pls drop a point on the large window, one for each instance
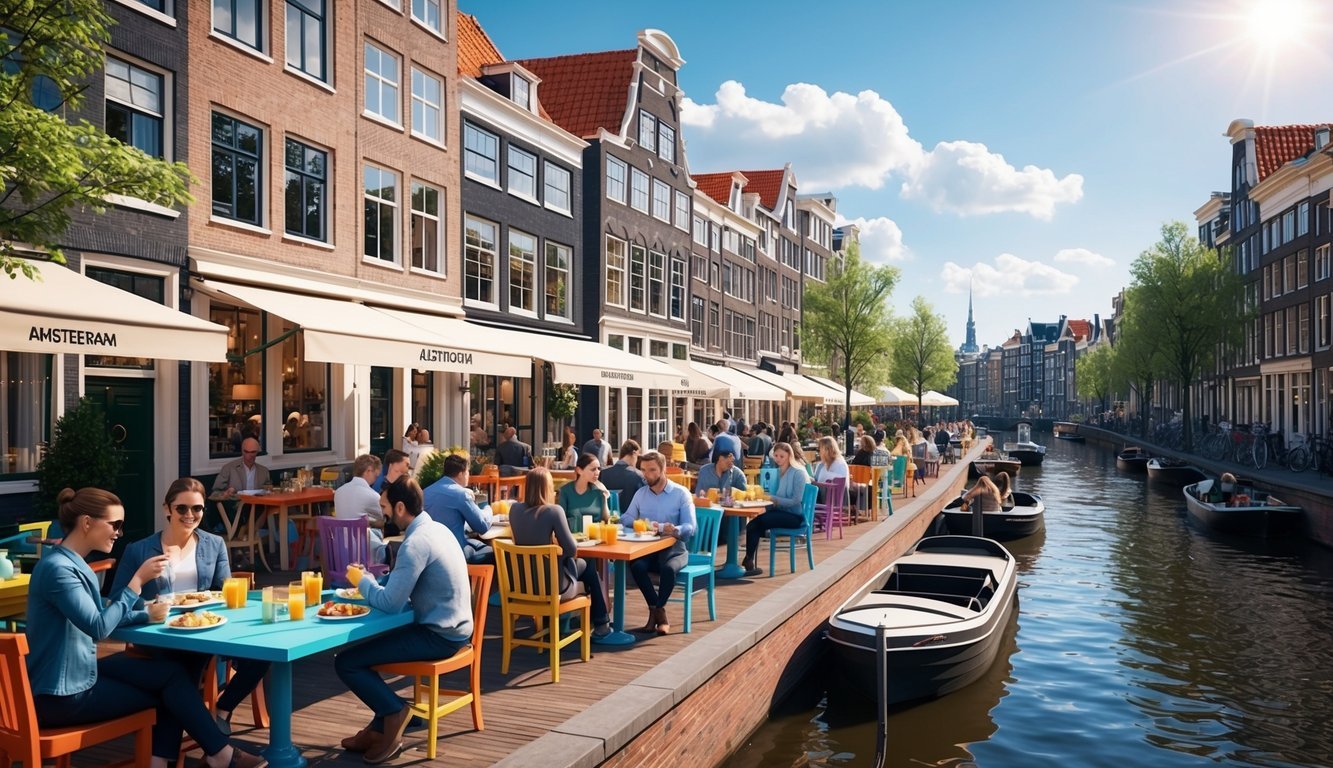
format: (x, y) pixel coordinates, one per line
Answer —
(556, 280)
(1321, 262)
(615, 271)
(381, 209)
(522, 173)
(135, 106)
(237, 171)
(557, 187)
(427, 226)
(428, 13)
(661, 200)
(657, 284)
(306, 36)
(677, 289)
(307, 176)
(481, 154)
(522, 272)
(304, 402)
(427, 106)
(25, 410)
(638, 196)
(647, 131)
(479, 260)
(615, 179)
(1323, 329)
(236, 387)
(638, 268)
(241, 20)
(697, 321)
(682, 210)
(666, 142)
(381, 83)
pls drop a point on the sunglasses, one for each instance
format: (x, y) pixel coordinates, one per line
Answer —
(116, 525)
(181, 509)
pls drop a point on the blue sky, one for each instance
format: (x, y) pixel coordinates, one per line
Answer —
(1034, 148)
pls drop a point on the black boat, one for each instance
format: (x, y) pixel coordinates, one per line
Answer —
(945, 603)
(1133, 459)
(992, 466)
(1024, 518)
(1173, 471)
(1242, 510)
(1071, 437)
(1023, 450)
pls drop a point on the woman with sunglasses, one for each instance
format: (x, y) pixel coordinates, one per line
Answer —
(196, 561)
(66, 618)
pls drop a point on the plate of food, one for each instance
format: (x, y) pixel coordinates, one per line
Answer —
(332, 611)
(189, 601)
(349, 593)
(646, 536)
(196, 620)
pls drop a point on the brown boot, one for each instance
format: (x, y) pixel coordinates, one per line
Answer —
(362, 741)
(663, 626)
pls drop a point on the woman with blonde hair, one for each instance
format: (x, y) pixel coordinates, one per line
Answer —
(786, 510)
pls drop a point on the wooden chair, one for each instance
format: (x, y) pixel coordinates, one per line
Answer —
(241, 534)
(341, 543)
(833, 510)
(865, 493)
(702, 563)
(23, 741)
(753, 462)
(530, 586)
(806, 531)
(425, 675)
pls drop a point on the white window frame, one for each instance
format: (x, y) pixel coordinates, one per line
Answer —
(552, 190)
(614, 165)
(514, 88)
(426, 5)
(424, 216)
(367, 198)
(657, 263)
(622, 268)
(666, 142)
(382, 84)
(557, 249)
(427, 107)
(682, 214)
(481, 225)
(469, 151)
(165, 103)
(638, 255)
(700, 231)
(648, 131)
(661, 204)
(1323, 262)
(511, 173)
(676, 287)
(514, 258)
(638, 186)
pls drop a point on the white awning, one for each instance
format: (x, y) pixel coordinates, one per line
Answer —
(741, 386)
(933, 398)
(703, 385)
(66, 312)
(798, 386)
(840, 395)
(891, 395)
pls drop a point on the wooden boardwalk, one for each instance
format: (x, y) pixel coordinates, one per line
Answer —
(518, 707)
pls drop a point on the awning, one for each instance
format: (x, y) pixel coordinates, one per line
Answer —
(741, 386)
(858, 400)
(703, 385)
(66, 312)
(353, 334)
(933, 398)
(798, 386)
(891, 395)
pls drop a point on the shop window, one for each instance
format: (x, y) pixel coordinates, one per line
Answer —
(26, 411)
(305, 387)
(236, 387)
(423, 400)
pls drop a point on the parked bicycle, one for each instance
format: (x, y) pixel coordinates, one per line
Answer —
(1295, 457)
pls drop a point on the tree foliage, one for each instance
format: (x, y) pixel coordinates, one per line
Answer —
(81, 455)
(1094, 374)
(51, 167)
(847, 321)
(922, 358)
(1137, 363)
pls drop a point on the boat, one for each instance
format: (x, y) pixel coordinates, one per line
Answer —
(1026, 452)
(992, 466)
(1071, 437)
(1244, 510)
(945, 603)
(1132, 459)
(1173, 471)
(1024, 518)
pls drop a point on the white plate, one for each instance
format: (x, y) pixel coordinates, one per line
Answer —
(196, 606)
(351, 595)
(340, 618)
(196, 629)
(255, 492)
(588, 543)
(639, 537)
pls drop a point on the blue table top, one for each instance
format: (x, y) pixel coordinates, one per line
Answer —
(245, 636)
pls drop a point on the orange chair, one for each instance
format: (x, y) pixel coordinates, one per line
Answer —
(865, 493)
(426, 674)
(530, 586)
(23, 741)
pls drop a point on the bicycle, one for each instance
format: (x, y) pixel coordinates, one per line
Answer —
(1247, 449)
(1321, 454)
(1295, 457)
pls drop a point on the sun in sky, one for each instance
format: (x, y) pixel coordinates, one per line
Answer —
(1273, 26)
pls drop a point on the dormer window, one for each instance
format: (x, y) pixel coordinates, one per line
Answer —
(521, 92)
(734, 201)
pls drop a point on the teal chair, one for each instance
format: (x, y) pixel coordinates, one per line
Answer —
(898, 480)
(792, 534)
(613, 503)
(703, 553)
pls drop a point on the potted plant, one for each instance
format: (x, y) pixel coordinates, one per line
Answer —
(81, 454)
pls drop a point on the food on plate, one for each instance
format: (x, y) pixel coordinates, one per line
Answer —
(343, 609)
(350, 593)
(196, 620)
(193, 598)
(580, 537)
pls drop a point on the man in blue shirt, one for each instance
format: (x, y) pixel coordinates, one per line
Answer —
(449, 503)
(725, 441)
(670, 506)
(721, 474)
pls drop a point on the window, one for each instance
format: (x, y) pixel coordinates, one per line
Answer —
(381, 83)
(1268, 335)
(1302, 268)
(235, 405)
(700, 232)
(1303, 219)
(658, 348)
(1292, 330)
(238, 177)
(615, 179)
(682, 211)
(657, 284)
(647, 131)
(714, 325)
(521, 92)
(638, 190)
(306, 36)
(479, 260)
(426, 227)
(134, 106)
(666, 142)
(1288, 226)
(381, 208)
(557, 187)
(481, 153)
(556, 279)
(428, 13)
(522, 272)
(304, 404)
(26, 410)
(307, 179)
(661, 201)
(241, 20)
(677, 289)
(700, 267)
(1322, 262)
(697, 321)
(1288, 274)
(615, 272)
(427, 106)
(1323, 329)
(522, 173)
(637, 267)
(1303, 315)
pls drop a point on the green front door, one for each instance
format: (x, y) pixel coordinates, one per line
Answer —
(382, 429)
(128, 404)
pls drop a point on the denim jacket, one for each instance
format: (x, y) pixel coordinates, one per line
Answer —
(210, 561)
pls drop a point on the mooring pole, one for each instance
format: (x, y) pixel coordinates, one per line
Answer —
(978, 522)
(882, 695)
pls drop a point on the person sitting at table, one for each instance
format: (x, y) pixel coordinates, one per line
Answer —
(478, 436)
(356, 499)
(569, 454)
(421, 451)
(431, 575)
(624, 477)
(785, 511)
(831, 465)
(787, 434)
(722, 474)
(243, 474)
(671, 508)
(725, 440)
(585, 495)
(197, 561)
(598, 447)
(697, 447)
(761, 442)
(66, 618)
(537, 521)
(865, 452)
(449, 502)
(512, 454)
(396, 464)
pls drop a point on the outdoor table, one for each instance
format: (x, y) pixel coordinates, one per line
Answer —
(14, 596)
(740, 509)
(281, 503)
(245, 636)
(620, 554)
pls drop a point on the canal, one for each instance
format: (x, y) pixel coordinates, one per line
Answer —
(1140, 640)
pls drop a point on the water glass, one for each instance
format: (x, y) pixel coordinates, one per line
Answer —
(269, 607)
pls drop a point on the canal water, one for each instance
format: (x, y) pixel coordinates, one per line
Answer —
(1141, 640)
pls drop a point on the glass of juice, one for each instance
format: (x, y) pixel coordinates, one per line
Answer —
(239, 589)
(314, 587)
(640, 525)
(354, 575)
(611, 534)
(296, 600)
(712, 495)
(594, 531)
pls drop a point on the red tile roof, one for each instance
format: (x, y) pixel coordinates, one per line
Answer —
(585, 91)
(715, 185)
(1080, 329)
(1277, 145)
(475, 47)
(768, 184)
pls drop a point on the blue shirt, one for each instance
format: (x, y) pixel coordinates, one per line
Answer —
(451, 505)
(791, 489)
(725, 441)
(431, 572)
(210, 562)
(673, 505)
(708, 478)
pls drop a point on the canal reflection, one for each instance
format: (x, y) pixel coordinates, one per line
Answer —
(1140, 640)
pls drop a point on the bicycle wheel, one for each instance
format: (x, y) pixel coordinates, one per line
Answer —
(1215, 447)
(1242, 454)
(1260, 454)
(1298, 459)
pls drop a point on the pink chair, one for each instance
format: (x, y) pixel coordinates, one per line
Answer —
(343, 542)
(833, 510)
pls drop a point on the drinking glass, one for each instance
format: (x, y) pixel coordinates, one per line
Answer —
(269, 607)
(314, 587)
(296, 600)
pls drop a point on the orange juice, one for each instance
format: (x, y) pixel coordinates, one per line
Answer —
(314, 587)
(611, 534)
(594, 531)
(296, 601)
(712, 495)
(354, 575)
(640, 525)
(236, 597)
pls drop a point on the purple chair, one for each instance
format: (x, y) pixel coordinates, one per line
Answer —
(832, 510)
(343, 542)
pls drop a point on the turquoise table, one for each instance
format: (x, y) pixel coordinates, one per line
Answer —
(734, 514)
(245, 636)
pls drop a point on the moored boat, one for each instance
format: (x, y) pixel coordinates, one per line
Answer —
(1071, 437)
(1132, 459)
(1024, 518)
(1243, 510)
(945, 604)
(1167, 471)
(1023, 450)
(993, 466)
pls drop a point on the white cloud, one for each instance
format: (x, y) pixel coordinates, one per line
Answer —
(1008, 276)
(842, 140)
(881, 238)
(1084, 256)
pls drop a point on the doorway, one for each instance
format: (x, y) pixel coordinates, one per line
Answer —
(381, 410)
(128, 405)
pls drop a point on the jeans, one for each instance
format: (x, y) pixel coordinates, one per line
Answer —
(769, 520)
(249, 675)
(126, 685)
(667, 563)
(411, 643)
(592, 585)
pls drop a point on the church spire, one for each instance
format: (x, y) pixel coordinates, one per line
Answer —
(970, 345)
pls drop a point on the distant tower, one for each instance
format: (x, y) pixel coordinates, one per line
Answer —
(970, 346)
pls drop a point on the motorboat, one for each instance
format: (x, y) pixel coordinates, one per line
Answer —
(1242, 510)
(1166, 470)
(1132, 459)
(1072, 437)
(992, 466)
(1023, 450)
(1025, 517)
(945, 604)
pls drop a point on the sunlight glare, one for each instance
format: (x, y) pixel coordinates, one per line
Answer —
(1275, 24)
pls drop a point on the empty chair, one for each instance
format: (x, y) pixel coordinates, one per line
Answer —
(792, 534)
(530, 586)
(864, 495)
(833, 510)
(343, 542)
(702, 565)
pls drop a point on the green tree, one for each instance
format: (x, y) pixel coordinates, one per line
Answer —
(1193, 299)
(846, 321)
(1093, 374)
(51, 167)
(1137, 360)
(922, 358)
(82, 454)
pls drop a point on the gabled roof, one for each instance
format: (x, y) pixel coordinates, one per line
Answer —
(1277, 145)
(768, 184)
(1080, 329)
(585, 91)
(1044, 332)
(475, 47)
(715, 185)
